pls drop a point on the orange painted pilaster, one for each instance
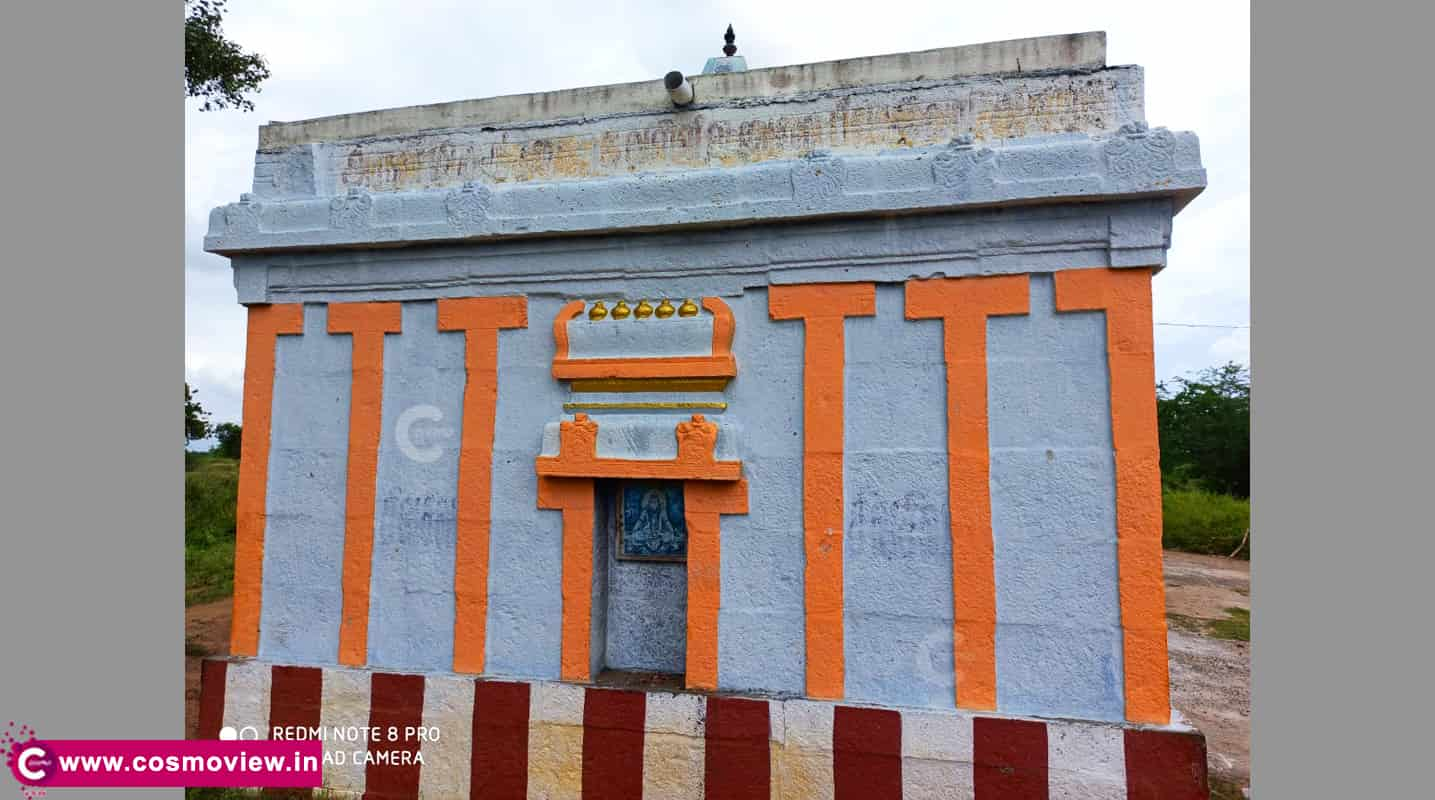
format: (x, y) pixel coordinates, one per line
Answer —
(823, 308)
(963, 305)
(574, 497)
(703, 502)
(480, 318)
(1125, 296)
(266, 324)
(367, 323)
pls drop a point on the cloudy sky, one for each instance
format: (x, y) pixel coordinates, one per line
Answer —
(328, 57)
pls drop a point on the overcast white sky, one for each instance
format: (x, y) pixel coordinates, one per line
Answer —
(329, 57)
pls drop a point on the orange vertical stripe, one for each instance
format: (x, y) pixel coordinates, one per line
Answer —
(704, 595)
(1125, 296)
(703, 502)
(574, 497)
(480, 318)
(266, 324)
(963, 305)
(823, 307)
(367, 323)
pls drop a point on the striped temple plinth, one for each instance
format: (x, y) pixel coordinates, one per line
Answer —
(498, 740)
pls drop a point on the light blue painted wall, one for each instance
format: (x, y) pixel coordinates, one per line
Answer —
(760, 622)
(304, 534)
(525, 605)
(897, 540)
(411, 594)
(1053, 511)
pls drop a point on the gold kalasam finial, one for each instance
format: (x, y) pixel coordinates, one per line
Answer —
(665, 309)
(688, 308)
(621, 311)
(644, 310)
(597, 311)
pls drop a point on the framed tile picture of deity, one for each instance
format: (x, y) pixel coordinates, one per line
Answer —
(650, 521)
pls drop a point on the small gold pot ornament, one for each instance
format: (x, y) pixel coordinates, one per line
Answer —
(597, 312)
(688, 308)
(665, 309)
(621, 311)
(644, 310)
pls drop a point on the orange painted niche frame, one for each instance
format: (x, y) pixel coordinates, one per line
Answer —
(710, 488)
(721, 364)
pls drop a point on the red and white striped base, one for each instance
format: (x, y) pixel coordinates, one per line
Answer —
(502, 739)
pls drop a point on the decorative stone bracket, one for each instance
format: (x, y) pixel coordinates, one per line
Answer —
(578, 455)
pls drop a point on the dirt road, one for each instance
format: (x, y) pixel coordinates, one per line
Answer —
(1211, 677)
(206, 633)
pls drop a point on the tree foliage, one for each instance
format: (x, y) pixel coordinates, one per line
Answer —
(216, 68)
(228, 434)
(1205, 429)
(196, 419)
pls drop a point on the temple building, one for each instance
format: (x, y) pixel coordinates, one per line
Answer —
(780, 433)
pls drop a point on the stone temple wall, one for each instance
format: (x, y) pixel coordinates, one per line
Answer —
(874, 335)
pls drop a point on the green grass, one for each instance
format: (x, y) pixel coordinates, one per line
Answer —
(1198, 521)
(1236, 625)
(208, 572)
(1225, 789)
(211, 489)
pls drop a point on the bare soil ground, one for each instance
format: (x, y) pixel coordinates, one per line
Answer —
(1210, 678)
(206, 633)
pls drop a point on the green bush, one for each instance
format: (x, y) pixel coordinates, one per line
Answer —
(208, 572)
(229, 436)
(1205, 429)
(1198, 521)
(211, 490)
